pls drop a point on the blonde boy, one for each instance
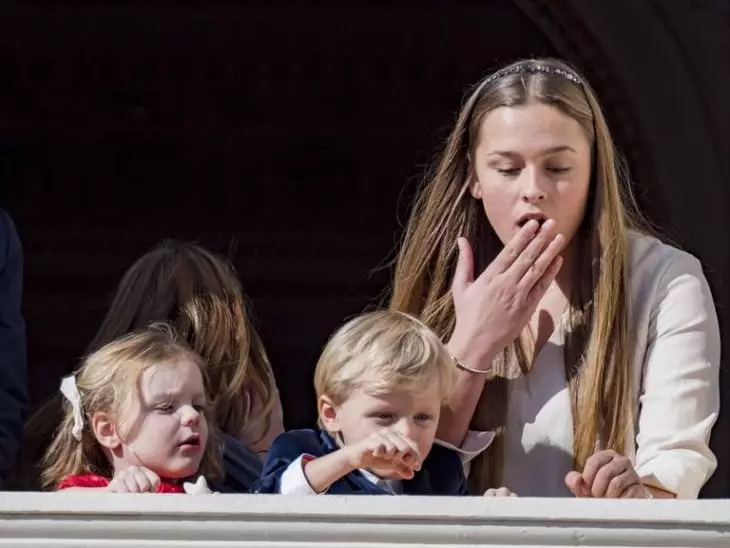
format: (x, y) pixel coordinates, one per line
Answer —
(380, 383)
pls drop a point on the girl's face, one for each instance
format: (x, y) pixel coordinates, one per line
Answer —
(531, 161)
(169, 431)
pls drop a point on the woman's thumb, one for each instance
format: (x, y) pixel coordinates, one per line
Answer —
(464, 271)
(577, 485)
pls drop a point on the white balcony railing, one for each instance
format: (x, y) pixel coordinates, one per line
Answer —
(146, 521)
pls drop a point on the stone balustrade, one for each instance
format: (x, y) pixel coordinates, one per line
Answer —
(33, 520)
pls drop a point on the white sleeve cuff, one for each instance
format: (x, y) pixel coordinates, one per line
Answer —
(474, 444)
(294, 481)
(681, 472)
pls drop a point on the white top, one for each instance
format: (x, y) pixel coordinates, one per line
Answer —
(677, 357)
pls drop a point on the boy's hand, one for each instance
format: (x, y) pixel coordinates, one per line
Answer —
(386, 449)
(501, 492)
(135, 479)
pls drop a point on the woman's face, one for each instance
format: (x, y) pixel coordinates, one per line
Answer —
(531, 161)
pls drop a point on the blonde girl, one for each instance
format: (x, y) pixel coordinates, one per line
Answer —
(198, 293)
(135, 419)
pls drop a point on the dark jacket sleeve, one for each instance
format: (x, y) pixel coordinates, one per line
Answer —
(13, 373)
(284, 450)
(445, 472)
(241, 466)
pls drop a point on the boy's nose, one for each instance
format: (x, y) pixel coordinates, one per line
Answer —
(406, 428)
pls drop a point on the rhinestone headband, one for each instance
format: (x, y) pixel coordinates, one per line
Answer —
(533, 69)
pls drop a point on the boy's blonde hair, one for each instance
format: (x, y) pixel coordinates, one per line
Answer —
(382, 351)
(108, 381)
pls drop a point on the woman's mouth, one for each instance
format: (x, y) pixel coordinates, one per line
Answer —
(524, 219)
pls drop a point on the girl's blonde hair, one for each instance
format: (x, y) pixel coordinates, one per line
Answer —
(382, 352)
(107, 381)
(599, 342)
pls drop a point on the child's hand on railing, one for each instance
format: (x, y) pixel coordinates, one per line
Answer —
(135, 479)
(501, 492)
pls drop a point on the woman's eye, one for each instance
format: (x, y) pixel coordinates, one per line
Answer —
(508, 171)
(423, 417)
(199, 407)
(558, 169)
(164, 407)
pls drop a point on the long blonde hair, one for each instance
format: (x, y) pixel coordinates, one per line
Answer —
(108, 381)
(598, 348)
(199, 294)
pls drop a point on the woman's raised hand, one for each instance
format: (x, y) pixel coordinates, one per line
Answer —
(492, 310)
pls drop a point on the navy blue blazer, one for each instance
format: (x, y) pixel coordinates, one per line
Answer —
(13, 374)
(441, 474)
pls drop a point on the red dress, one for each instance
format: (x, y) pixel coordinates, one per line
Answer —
(94, 480)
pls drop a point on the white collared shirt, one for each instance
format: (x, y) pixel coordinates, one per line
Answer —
(294, 481)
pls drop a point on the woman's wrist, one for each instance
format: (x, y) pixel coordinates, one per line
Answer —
(658, 493)
(467, 358)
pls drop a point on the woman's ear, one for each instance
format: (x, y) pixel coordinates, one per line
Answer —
(105, 431)
(328, 414)
(475, 188)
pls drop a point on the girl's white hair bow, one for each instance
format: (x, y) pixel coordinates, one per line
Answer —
(71, 393)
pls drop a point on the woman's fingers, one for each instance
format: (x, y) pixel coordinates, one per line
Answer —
(528, 275)
(595, 463)
(464, 271)
(574, 481)
(607, 474)
(543, 283)
(623, 483)
(512, 251)
(531, 252)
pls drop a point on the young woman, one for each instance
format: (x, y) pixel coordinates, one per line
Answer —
(590, 347)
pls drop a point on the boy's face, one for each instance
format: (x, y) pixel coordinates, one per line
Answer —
(412, 413)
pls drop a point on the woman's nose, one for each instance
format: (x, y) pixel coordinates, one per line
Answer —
(532, 188)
